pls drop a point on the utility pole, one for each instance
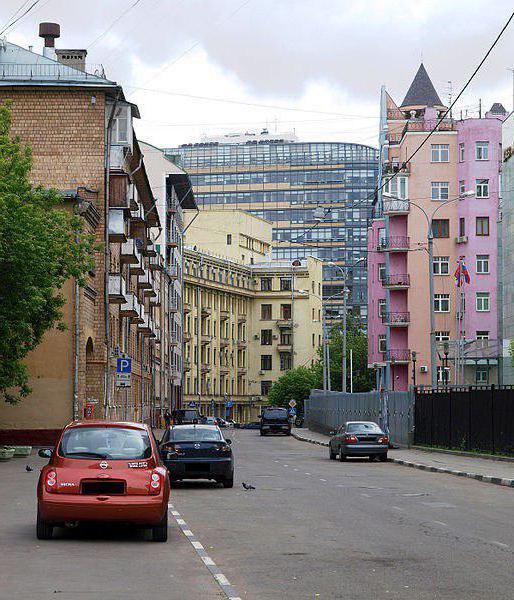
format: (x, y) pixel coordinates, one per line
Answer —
(433, 353)
(344, 336)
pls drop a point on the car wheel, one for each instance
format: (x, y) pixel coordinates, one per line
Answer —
(263, 433)
(371, 457)
(288, 433)
(383, 457)
(228, 483)
(342, 457)
(160, 531)
(333, 455)
(44, 530)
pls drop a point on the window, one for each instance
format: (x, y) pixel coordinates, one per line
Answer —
(266, 362)
(441, 265)
(286, 337)
(285, 361)
(265, 387)
(121, 128)
(462, 227)
(441, 228)
(482, 264)
(285, 284)
(482, 335)
(116, 443)
(229, 239)
(381, 308)
(482, 150)
(462, 153)
(440, 190)
(265, 312)
(266, 283)
(482, 188)
(443, 375)
(441, 303)
(462, 187)
(285, 311)
(266, 337)
(440, 153)
(482, 225)
(442, 336)
(381, 271)
(382, 343)
(481, 375)
(482, 301)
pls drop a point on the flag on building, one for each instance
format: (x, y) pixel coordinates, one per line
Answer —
(461, 274)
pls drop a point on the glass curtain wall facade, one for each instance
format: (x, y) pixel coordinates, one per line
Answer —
(285, 182)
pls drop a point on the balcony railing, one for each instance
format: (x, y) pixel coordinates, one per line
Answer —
(145, 327)
(394, 138)
(206, 311)
(398, 355)
(206, 339)
(117, 288)
(284, 322)
(145, 281)
(224, 342)
(129, 253)
(394, 243)
(396, 280)
(118, 227)
(242, 343)
(117, 157)
(131, 307)
(393, 167)
(155, 262)
(396, 206)
(241, 318)
(396, 319)
(224, 314)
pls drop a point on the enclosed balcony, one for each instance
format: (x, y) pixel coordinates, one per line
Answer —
(145, 281)
(394, 243)
(155, 262)
(118, 226)
(206, 311)
(206, 339)
(117, 156)
(138, 215)
(187, 364)
(242, 343)
(224, 342)
(131, 307)
(224, 314)
(145, 327)
(117, 288)
(241, 318)
(129, 253)
(398, 355)
(396, 319)
(396, 206)
(396, 281)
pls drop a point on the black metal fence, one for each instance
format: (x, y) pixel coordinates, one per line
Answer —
(466, 418)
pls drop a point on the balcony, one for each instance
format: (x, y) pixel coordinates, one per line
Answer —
(242, 370)
(138, 215)
(173, 272)
(118, 228)
(242, 343)
(284, 323)
(117, 289)
(145, 327)
(398, 356)
(117, 156)
(155, 263)
(130, 308)
(172, 243)
(206, 311)
(284, 347)
(396, 319)
(224, 315)
(396, 206)
(224, 342)
(149, 249)
(186, 336)
(205, 368)
(394, 138)
(187, 307)
(224, 369)
(206, 339)
(241, 318)
(389, 168)
(145, 281)
(396, 281)
(173, 307)
(187, 365)
(394, 243)
(156, 300)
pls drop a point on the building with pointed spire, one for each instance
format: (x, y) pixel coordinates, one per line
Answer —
(447, 185)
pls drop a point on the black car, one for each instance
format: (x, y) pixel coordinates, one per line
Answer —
(358, 438)
(197, 452)
(275, 420)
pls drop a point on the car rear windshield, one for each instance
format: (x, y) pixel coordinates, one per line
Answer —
(114, 443)
(194, 434)
(352, 427)
(275, 413)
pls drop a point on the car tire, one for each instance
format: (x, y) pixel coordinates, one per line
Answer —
(263, 433)
(44, 531)
(333, 455)
(229, 482)
(383, 457)
(160, 531)
(288, 433)
(342, 457)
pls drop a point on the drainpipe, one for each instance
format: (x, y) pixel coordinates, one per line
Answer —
(77, 350)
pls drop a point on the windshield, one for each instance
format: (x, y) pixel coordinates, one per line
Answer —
(114, 443)
(195, 434)
(275, 413)
(371, 427)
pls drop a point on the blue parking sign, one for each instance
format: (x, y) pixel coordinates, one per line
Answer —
(123, 365)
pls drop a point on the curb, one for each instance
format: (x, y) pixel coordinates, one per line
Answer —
(406, 463)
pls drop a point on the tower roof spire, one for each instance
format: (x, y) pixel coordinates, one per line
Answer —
(422, 91)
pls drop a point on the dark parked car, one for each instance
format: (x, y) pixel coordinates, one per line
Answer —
(275, 420)
(358, 438)
(197, 452)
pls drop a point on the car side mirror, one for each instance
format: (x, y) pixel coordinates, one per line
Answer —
(45, 452)
(332, 433)
(228, 441)
(260, 415)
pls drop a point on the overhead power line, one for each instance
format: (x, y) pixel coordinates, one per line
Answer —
(116, 20)
(6, 28)
(22, 5)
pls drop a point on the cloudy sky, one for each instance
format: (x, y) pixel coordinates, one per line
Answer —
(207, 67)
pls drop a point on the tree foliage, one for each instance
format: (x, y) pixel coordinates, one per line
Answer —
(41, 246)
(295, 384)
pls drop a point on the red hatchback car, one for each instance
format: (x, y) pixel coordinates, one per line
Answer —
(101, 471)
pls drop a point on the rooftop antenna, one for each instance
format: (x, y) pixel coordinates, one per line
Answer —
(450, 95)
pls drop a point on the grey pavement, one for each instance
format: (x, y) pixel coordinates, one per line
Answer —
(489, 471)
(312, 529)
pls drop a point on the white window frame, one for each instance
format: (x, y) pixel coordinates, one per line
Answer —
(442, 336)
(382, 307)
(440, 153)
(482, 260)
(440, 186)
(441, 300)
(479, 150)
(482, 188)
(381, 271)
(441, 265)
(462, 152)
(482, 335)
(123, 112)
(382, 343)
(462, 187)
(440, 371)
(483, 301)
(481, 370)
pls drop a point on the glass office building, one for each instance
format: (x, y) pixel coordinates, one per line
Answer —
(317, 195)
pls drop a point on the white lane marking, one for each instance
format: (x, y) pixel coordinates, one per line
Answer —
(208, 560)
(188, 532)
(221, 579)
(286, 465)
(500, 544)
(197, 545)
(323, 480)
(440, 523)
(175, 513)
(181, 521)
(397, 508)
(307, 473)
(366, 495)
(295, 469)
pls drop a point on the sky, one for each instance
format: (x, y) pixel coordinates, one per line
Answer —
(208, 67)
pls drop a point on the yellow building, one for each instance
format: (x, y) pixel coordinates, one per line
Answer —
(244, 324)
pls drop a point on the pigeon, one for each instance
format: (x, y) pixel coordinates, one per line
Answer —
(28, 469)
(247, 486)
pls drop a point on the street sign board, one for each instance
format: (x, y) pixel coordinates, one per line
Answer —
(292, 403)
(123, 380)
(191, 404)
(124, 365)
(229, 403)
(292, 412)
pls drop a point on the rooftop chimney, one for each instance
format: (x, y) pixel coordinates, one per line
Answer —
(49, 31)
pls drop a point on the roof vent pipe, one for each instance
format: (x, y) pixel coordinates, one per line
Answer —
(49, 32)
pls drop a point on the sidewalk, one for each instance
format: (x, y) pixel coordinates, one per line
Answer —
(488, 471)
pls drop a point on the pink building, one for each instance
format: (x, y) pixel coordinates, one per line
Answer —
(452, 182)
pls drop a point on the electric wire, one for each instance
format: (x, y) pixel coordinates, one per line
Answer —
(5, 29)
(116, 20)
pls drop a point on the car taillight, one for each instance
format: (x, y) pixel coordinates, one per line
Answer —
(350, 439)
(224, 448)
(383, 440)
(51, 481)
(155, 482)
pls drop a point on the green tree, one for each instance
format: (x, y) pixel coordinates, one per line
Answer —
(295, 384)
(41, 246)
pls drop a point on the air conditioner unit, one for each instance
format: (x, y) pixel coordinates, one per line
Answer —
(261, 372)
(256, 336)
(275, 337)
(462, 239)
(423, 369)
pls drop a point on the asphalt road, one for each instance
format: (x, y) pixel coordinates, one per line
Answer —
(312, 528)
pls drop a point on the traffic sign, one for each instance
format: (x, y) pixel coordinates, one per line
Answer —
(229, 403)
(292, 403)
(292, 412)
(123, 380)
(124, 365)
(192, 404)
